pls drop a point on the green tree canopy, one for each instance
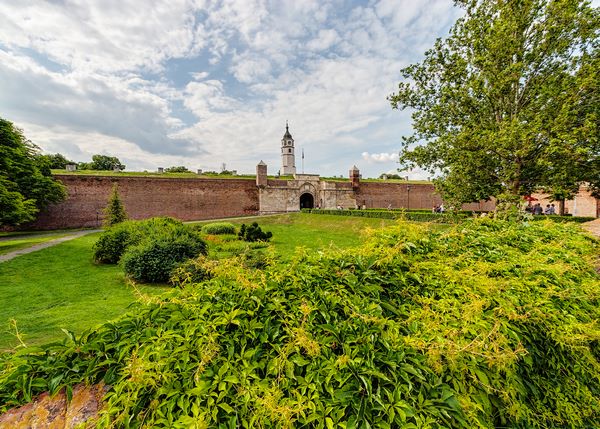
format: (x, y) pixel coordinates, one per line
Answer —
(26, 185)
(102, 162)
(55, 161)
(508, 103)
(177, 169)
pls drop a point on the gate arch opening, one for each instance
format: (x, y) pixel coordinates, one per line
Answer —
(307, 201)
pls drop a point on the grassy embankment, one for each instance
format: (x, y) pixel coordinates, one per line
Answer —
(61, 288)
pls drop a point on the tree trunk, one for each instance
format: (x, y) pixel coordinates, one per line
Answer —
(561, 207)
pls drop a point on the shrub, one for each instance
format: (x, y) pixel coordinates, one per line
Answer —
(113, 242)
(192, 271)
(256, 259)
(254, 232)
(218, 228)
(153, 259)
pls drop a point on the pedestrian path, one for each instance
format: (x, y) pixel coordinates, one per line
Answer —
(593, 227)
(40, 246)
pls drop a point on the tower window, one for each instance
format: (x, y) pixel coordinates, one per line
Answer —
(290, 150)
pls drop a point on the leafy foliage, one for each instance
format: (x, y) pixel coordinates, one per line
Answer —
(153, 259)
(253, 232)
(55, 161)
(26, 184)
(218, 228)
(113, 242)
(194, 270)
(115, 211)
(508, 103)
(103, 163)
(177, 169)
(486, 324)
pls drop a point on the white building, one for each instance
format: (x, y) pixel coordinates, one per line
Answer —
(288, 159)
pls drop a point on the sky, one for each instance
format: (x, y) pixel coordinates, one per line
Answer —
(205, 83)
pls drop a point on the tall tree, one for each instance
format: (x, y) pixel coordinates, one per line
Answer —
(114, 212)
(508, 103)
(25, 186)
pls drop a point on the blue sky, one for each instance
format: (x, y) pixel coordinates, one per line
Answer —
(201, 83)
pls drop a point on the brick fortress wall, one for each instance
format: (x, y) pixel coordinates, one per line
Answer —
(407, 195)
(144, 197)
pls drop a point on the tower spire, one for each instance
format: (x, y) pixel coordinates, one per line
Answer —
(288, 162)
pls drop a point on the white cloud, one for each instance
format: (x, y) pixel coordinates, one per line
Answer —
(107, 36)
(383, 157)
(324, 40)
(211, 82)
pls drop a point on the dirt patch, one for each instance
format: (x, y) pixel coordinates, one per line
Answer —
(55, 412)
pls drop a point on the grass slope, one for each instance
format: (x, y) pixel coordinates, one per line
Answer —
(7, 246)
(60, 287)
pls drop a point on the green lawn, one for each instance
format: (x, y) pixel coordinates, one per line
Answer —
(60, 287)
(295, 230)
(314, 231)
(7, 246)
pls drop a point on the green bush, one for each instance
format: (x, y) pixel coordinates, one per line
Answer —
(254, 232)
(113, 242)
(218, 228)
(417, 216)
(256, 259)
(428, 216)
(558, 218)
(193, 270)
(153, 259)
(485, 324)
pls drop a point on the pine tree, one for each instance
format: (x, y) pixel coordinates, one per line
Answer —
(115, 210)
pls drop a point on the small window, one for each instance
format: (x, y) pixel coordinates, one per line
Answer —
(290, 150)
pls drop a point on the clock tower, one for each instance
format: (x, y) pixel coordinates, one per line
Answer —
(288, 162)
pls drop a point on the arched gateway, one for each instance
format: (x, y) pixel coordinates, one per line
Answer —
(307, 201)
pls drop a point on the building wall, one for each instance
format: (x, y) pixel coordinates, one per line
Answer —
(584, 204)
(196, 199)
(398, 195)
(144, 197)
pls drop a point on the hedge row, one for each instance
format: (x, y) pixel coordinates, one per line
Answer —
(558, 218)
(428, 216)
(394, 214)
